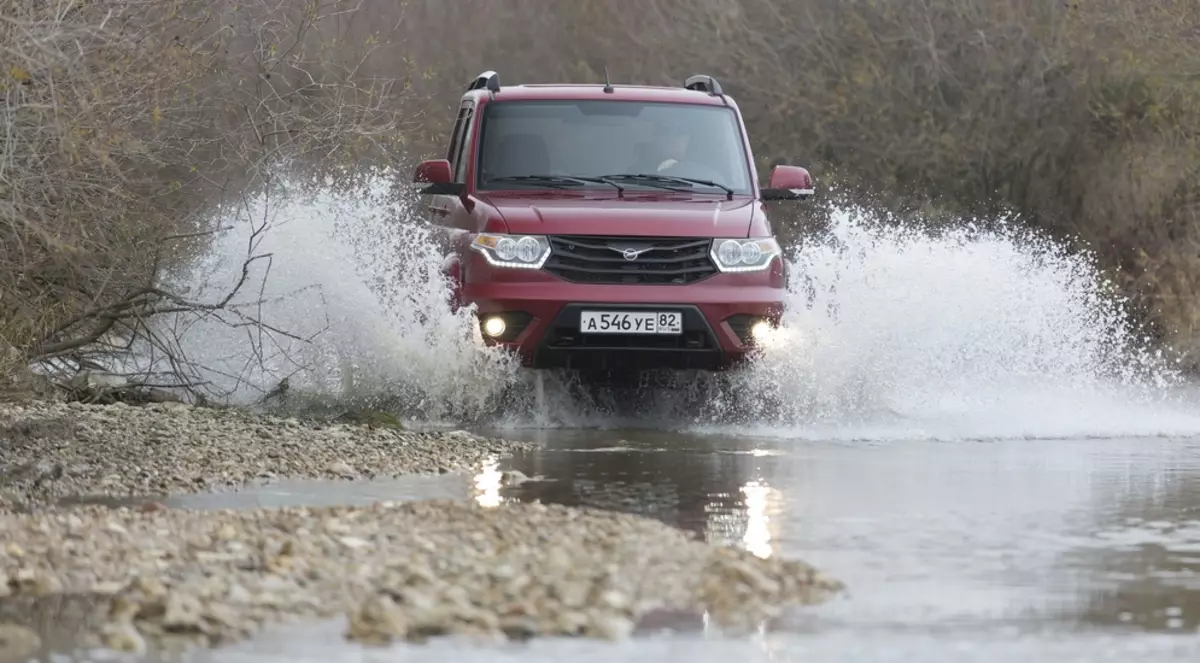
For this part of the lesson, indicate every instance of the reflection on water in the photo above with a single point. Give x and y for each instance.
(717, 496)
(757, 538)
(487, 484)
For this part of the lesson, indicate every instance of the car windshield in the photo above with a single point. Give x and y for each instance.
(688, 147)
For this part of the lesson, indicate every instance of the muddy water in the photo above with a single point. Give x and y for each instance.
(1052, 550)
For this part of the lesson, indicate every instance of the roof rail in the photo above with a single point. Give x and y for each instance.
(488, 79)
(704, 83)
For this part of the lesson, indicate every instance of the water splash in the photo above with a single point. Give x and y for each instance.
(891, 332)
(354, 291)
(967, 332)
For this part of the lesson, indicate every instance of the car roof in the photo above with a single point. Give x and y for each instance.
(586, 91)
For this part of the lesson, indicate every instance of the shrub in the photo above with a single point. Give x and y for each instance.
(129, 123)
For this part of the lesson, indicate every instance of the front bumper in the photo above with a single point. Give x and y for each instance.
(542, 319)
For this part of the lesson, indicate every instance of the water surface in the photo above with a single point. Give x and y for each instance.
(1051, 550)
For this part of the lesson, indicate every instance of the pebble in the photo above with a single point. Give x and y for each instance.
(53, 451)
(17, 642)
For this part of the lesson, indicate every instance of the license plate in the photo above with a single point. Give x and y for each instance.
(631, 322)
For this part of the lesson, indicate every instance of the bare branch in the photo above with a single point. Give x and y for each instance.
(120, 157)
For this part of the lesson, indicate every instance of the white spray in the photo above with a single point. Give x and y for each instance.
(890, 333)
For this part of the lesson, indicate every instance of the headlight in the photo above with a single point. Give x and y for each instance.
(521, 251)
(744, 255)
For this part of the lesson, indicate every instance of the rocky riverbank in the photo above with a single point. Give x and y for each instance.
(398, 572)
(49, 451)
(153, 577)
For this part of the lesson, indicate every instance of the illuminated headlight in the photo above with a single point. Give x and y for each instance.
(760, 330)
(494, 326)
(744, 255)
(521, 251)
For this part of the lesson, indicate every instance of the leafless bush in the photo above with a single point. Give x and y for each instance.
(130, 125)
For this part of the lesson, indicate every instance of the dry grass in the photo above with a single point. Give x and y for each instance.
(127, 123)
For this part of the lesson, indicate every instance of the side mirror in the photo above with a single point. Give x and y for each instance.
(788, 183)
(437, 174)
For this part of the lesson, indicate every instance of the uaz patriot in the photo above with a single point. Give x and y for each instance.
(610, 228)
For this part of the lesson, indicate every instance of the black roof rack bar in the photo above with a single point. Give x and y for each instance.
(703, 83)
(488, 79)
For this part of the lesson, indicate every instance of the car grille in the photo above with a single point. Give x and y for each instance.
(662, 261)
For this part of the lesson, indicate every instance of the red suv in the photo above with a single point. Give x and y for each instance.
(601, 227)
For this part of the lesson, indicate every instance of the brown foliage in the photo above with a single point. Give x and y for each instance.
(128, 122)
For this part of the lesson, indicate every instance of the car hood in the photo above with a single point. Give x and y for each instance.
(707, 216)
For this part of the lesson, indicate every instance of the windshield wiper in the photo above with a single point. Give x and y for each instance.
(600, 180)
(558, 180)
(648, 178)
(550, 180)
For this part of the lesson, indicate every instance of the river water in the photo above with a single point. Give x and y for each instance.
(1038, 550)
(1073, 549)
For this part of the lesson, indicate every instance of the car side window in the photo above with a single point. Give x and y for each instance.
(458, 163)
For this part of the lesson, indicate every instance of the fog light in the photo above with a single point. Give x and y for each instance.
(493, 326)
(760, 330)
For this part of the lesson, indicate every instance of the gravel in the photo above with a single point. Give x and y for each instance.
(49, 451)
(167, 578)
(160, 578)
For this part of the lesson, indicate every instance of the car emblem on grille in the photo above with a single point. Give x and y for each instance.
(630, 253)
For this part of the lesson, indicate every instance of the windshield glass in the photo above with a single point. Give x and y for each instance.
(611, 138)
